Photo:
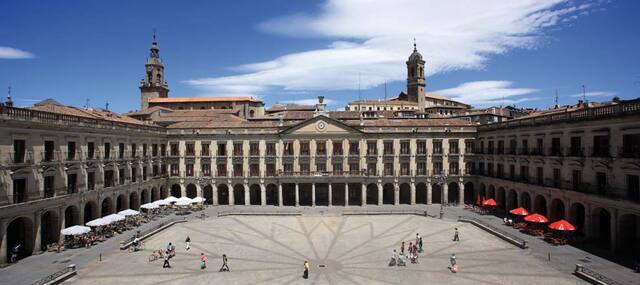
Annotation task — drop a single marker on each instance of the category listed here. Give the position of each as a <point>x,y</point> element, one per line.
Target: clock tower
<point>153,84</point>
<point>415,79</point>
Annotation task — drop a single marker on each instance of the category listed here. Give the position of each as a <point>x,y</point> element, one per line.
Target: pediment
<point>320,125</point>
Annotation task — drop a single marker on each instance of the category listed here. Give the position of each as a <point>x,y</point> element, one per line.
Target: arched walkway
<point>453,193</point>
<point>469,196</point>
<point>577,217</point>
<point>90,211</point>
<point>71,216</point>
<point>134,201</point>
<point>355,194</point>
<point>106,206</point>
<point>492,192</point>
<point>144,196</point>
<point>372,194</point>
<point>272,195</point>
<point>512,199</point>
<point>223,194</point>
<point>192,191</point>
<point>238,194</point>
<point>388,194</point>
<point>501,198</point>
<point>557,210</point>
<point>121,203</point>
<point>421,193</point>
<point>483,191</point>
<point>176,190</point>
<point>601,220</point>
<point>255,195</point>
<point>49,229</point>
<point>163,193</point>
<point>288,194</point>
<point>305,194</point>
<point>19,232</point>
<point>405,194</point>
<point>436,194</point>
<point>540,205</point>
<point>629,236</point>
<point>207,193</point>
<point>525,200</point>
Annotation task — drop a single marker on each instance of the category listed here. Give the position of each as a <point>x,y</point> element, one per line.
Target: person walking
<point>410,250</point>
<point>454,263</point>
<point>224,267</point>
<point>394,258</point>
<point>417,238</point>
<point>166,263</point>
<point>420,245</point>
<point>455,235</point>
<point>203,261</point>
<point>305,273</point>
<point>188,242</point>
<point>402,247</point>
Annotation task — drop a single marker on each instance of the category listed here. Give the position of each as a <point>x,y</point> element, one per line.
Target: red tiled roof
<point>203,99</point>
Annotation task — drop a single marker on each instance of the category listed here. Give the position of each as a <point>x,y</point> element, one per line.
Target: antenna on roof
<point>106,107</point>
<point>584,94</point>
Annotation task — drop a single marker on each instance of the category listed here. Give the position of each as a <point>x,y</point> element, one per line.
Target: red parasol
<point>489,202</point>
<point>562,225</point>
<point>519,211</point>
<point>478,200</point>
<point>536,218</point>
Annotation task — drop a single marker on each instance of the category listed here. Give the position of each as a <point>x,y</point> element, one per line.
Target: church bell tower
<point>153,84</point>
<point>415,79</point>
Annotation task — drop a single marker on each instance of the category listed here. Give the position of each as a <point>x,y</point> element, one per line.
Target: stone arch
<point>288,194</point>
<point>421,193</point>
<point>388,194</point>
<point>512,199</point>
<point>453,193</point>
<point>501,198</point>
<point>405,194</point>
<point>106,206</point>
<point>155,194</point>
<point>469,193</point>
<point>272,195</point>
<point>49,228</point>
<point>577,216</point>
<point>90,211</point>
<point>372,194</point>
<point>207,193</point>
<point>121,203</point>
<point>540,205</point>
<point>71,216</point>
<point>557,210</point>
<point>192,191</point>
<point>255,195</point>
<point>436,194</point>
<point>525,200</point>
<point>601,219</point>
<point>19,232</point>
<point>629,234</point>
<point>223,194</point>
<point>144,196</point>
<point>238,194</point>
<point>176,190</point>
<point>163,192</point>
<point>492,192</point>
<point>483,191</point>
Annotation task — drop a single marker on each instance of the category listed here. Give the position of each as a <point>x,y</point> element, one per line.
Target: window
<point>254,149</point>
<point>174,149</point>
<point>134,174</point>
<point>144,150</point>
<point>437,167</point>
<point>288,148</point>
<point>539,175</point>
<point>437,147</point>
<point>175,171</point>
<point>601,146</point>
<point>134,148</point>
<point>500,170</point>
<point>601,182</point>
<point>372,148</point>
<point>154,170</point>
<point>19,191</point>
<point>633,188</point>
<point>388,148</point>
<point>206,169</point>
<point>205,150</point>
<point>271,170</point>
<point>512,172</point>
<point>271,149</point>
<point>49,190</point>
<point>512,146</point>
<point>469,147</point>
<point>557,178</point>
<point>337,148</point>
<point>524,173</point>
<point>404,147</point>
<point>304,168</point>
<point>405,169</point>
<point>321,148</point>
<point>304,148</point>
<point>454,168</point>
<point>421,147</point>
<point>154,149</point>
<point>288,168</point>
<point>191,149</point>
<point>91,181</point>
<point>354,168</point>
<point>222,149</point>
<point>491,148</point>
<point>490,169</point>
<point>237,170</point>
<point>222,169</point>
<point>163,150</point>
<point>254,170</point>
<point>371,169</point>
<point>525,147</point>
<point>576,146</point>
<point>576,176</point>
<point>630,146</point>
<point>321,167</point>
<point>48,150</point>
<point>108,178</point>
<point>18,151</point>
<point>469,168</point>
<point>539,147</point>
<point>91,149</point>
<point>190,169</point>
<point>71,150</point>
<point>121,150</point>
<point>388,169</point>
<point>121,177</point>
<point>72,180</point>
<point>421,168</point>
<point>500,147</point>
<point>354,148</point>
<point>337,168</point>
<point>556,149</point>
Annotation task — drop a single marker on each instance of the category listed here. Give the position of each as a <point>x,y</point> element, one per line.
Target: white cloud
<point>13,53</point>
<point>311,101</point>
<point>594,94</point>
<point>486,93</point>
<point>372,40</point>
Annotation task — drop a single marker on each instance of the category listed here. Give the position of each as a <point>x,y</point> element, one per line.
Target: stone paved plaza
<point>354,250</point>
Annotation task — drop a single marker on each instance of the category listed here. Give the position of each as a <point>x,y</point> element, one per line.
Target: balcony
<point>600,152</point>
<point>555,151</point>
<point>629,152</point>
<point>575,152</point>
<point>25,157</point>
<point>50,156</point>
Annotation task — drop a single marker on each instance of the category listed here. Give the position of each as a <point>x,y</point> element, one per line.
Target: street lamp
<point>440,180</point>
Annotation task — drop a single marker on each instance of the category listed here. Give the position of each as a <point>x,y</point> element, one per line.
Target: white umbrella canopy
<point>184,200</point>
<point>183,203</point>
<point>128,212</point>
<point>75,230</point>
<point>161,203</point>
<point>197,200</point>
<point>98,222</point>
<point>150,206</point>
<point>114,218</point>
<point>171,199</point>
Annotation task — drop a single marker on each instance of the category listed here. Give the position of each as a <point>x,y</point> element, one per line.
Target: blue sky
<point>480,52</point>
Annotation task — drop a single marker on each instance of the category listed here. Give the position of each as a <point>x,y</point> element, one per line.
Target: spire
<point>415,48</point>
<point>155,51</point>
<point>9,101</point>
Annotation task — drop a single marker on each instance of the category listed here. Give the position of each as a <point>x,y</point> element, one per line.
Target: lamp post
<point>440,180</point>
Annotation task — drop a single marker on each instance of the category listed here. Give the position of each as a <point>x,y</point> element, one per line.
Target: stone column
<point>231,191</point>
<point>313,194</point>
<point>614,229</point>
<point>379,194</point>
<point>587,220</point>
<point>247,196</point>
<point>461,193</point>
<point>429,194</point>
<point>445,193</point>
<point>346,194</point>
<point>279,194</point>
<point>396,194</point>
<point>198,191</point>
<point>37,230</point>
<point>297,195</point>
<point>263,195</point>
<point>330,195</point>
<point>183,191</point>
<point>363,195</point>
<point>214,194</point>
<point>413,193</point>
<point>3,244</point>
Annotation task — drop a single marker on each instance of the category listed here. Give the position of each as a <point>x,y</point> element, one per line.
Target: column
<point>198,191</point>
<point>614,229</point>
<point>363,195</point>
<point>232,198</point>
<point>214,194</point>
<point>429,194</point>
<point>379,194</point>
<point>263,195</point>
<point>297,195</point>
<point>313,194</point>
<point>279,194</point>
<point>413,193</point>
<point>445,193</point>
<point>587,220</point>
<point>396,194</point>
<point>461,194</point>
<point>37,230</point>
<point>3,244</point>
<point>247,198</point>
<point>330,195</point>
<point>346,194</point>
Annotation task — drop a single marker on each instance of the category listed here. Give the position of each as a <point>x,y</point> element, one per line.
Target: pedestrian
<point>305,273</point>
<point>402,247</point>
<point>394,258</point>
<point>14,253</point>
<point>166,263</point>
<point>455,235</point>
<point>203,261</point>
<point>188,242</point>
<point>415,254</point>
<point>454,264</point>
<point>420,245</point>
<point>410,250</point>
<point>224,267</point>
<point>169,246</point>
<point>417,238</point>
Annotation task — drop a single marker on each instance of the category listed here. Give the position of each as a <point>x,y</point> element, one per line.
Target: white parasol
<point>98,222</point>
<point>197,200</point>
<point>128,212</point>
<point>183,200</point>
<point>150,206</point>
<point>75,230</point>
<point>171,199</point>
<point>114,218</point>
<point>161,203</point>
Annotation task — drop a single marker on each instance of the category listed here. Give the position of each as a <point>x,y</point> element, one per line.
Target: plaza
<point>353,250</point>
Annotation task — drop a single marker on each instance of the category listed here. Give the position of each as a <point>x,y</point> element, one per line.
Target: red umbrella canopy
<point>536,218</point>
<point>519,211</point>
<point>489,202</point>
<point>562,225</point>
<point>478,200</point>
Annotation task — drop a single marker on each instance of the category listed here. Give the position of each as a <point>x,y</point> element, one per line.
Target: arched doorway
<point>629,237</point>
<point>602,227</point>
<point>90,211</point>
<point>525,200</point>
<point>238,194</point>
<point>512,199</point>
<point>134,201</point>
<point>272,195</point>
<point>372,194</point>
<point>355,194</point>
<point>492,192</point>
<point>453,193</point>
<point>223,194</point>
<point>207,192</point>
<point>577,217</point>
<point>19,232</point>
<point>337,194</point>
<point>421,193</point>
<point>155,194</point>
<point>469,196</point>
<point>501,198</point>
<point>176,190</point>
<point>388,194</point>
<point>49,229</point>
<point>483,191</point>
<point>121,203</point>
<point>255,195</point>
<point>405,194</point>
<point>192,191</point>
<point>436,193</point>
<point>144,196</point>
<point>557,210</point>
<point>540,205</point>
<point>71,216</point>
<point>289,194</point>
<point>107,207</point>
<point>163,192</point>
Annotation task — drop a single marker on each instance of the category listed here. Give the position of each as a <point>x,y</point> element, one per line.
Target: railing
<point>593,276</point>
<point>69,270</point>
<point>513,239</point>
<point>620,109</point>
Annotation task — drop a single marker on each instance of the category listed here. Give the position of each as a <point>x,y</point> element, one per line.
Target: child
<point>203,261</point>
